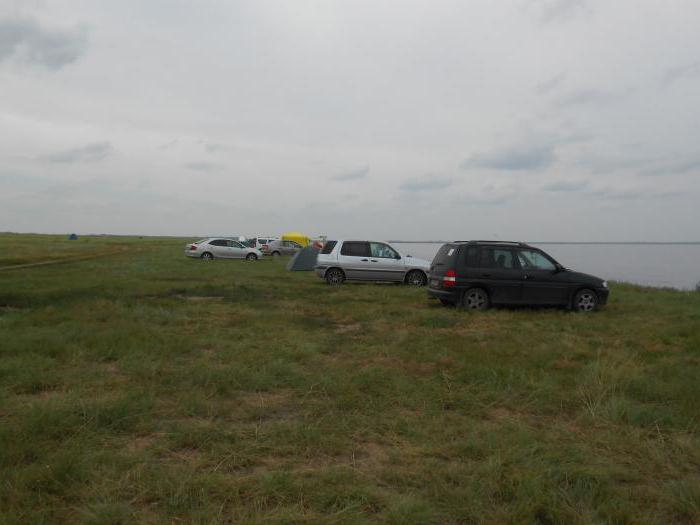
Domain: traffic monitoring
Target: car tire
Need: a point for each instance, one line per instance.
(276, 254)
(335, 276)
(251, 257)
(475, 299)
(416, 278)
(207, 256)
(585, 301)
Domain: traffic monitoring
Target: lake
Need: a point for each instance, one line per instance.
(660, 265)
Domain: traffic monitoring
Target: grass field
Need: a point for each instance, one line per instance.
(144, 386)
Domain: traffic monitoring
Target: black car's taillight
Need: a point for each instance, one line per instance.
(449, 279)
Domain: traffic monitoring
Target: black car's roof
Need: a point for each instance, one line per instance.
(495, 243)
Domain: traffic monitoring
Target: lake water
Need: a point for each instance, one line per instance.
(662, 265)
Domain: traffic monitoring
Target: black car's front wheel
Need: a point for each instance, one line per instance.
(585, 301)
(475, 299)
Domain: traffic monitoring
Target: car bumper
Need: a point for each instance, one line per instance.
(445, 295)
(191, 253)
(603, 294)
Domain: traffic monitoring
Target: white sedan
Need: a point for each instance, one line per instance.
(221, 248)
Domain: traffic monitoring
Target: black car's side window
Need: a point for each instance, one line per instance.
(355, 249)
(534, 260)
(496, 258)
(470, 257)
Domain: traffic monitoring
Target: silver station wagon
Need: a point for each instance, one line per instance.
(369, 261)
(221, 248)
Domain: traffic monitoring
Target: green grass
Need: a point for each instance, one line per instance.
(144, 386)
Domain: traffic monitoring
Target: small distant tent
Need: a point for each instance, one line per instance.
(296, 237)
(304, 260)
(72, 237)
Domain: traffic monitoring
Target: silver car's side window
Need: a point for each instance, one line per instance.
(381, 250)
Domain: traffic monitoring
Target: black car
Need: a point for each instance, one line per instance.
(477, 274)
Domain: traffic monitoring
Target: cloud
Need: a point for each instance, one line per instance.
(426, 183)
(549, 85)
(28, 42)
(208, 167)
(675, 74)
(673, 168)
(631, 195)
(352, 175)
(593, 97)
(554, 10)
(566, 186)
(514, 158)
(88, 153)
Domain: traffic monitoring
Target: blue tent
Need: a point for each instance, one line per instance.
(72, 237)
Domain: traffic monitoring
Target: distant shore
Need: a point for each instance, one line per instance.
(654, 243)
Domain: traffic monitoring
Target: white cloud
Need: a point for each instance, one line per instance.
(481, 114)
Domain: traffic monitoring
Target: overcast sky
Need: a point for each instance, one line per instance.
(518, 119)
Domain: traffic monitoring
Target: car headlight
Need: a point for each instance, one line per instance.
(605, 284)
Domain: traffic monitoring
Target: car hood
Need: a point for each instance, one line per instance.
(571, 275)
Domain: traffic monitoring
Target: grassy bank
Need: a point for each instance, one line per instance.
(146, 386)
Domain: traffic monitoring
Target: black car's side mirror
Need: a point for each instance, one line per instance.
(558, 268)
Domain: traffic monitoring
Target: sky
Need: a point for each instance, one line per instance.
(530, 120)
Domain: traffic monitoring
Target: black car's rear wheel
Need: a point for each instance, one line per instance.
(475, 299)
(416, 278)
(207, 256)
(585, 301)
(335, 276)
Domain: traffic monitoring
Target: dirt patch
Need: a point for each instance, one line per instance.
(370, 454)
(565, 363)
(501, 414)
(266, 399)
(141, 443)
(201, 298)
(46, 394)
(348, 328)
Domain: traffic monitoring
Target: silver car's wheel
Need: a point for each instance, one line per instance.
(416, 278)
(585, 301)
(475, 299)
(207, 256)
(276, 254)
(251, 257)
(335, 276)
